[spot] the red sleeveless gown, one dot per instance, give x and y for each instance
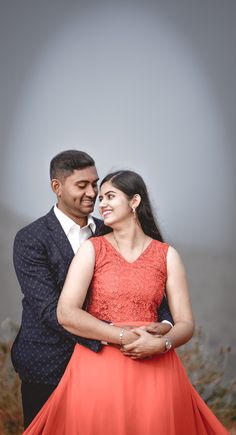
(107, 393)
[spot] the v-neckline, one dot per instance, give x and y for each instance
(121, 256)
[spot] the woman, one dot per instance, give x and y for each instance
(128, 269)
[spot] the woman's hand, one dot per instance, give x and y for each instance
(129, 337)
(145, 346)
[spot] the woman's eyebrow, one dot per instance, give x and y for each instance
(106, 193)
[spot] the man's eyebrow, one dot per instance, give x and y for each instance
(86, 181)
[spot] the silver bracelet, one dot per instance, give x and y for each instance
(122, 335)
(168, 344)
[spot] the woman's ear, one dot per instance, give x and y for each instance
(135, 201)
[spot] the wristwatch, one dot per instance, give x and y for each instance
(168, 344)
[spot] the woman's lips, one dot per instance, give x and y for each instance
(106, 213)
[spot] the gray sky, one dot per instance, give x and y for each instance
(143, 85)
(148, 86)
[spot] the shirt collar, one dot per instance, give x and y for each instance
(91, 223)
(67, 223)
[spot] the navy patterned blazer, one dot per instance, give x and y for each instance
(42, 255)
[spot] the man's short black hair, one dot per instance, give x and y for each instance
(64, 163)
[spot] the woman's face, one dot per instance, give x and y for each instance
(114, 205)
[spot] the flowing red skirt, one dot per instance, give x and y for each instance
(107, 393)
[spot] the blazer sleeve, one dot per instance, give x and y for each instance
(164, 311)
(39, 285)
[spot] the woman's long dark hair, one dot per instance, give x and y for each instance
(131, 183)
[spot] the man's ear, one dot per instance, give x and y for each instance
(56, 186)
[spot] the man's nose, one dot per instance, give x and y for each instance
(91, 191)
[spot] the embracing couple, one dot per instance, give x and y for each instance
(95, 351)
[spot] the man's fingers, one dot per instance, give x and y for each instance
(151, 329)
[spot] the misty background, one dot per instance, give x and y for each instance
(148, 86)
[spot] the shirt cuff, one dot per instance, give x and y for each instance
(167, 321)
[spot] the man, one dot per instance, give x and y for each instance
(43, 251)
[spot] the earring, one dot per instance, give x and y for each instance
(133, 210)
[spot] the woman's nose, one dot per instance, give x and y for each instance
(103, 203)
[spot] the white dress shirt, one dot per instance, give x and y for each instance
(75, 234)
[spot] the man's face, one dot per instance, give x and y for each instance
(77, 193)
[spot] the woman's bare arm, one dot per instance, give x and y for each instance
(69, 309)
(181, 310)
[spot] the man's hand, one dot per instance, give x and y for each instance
(157, 328)
(145, 346)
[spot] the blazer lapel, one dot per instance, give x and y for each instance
(59, 236)
(99, 224)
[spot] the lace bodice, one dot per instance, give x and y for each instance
(123, 291)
